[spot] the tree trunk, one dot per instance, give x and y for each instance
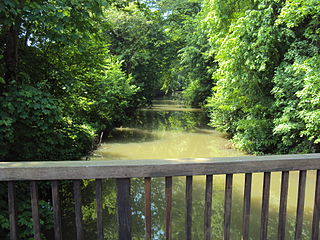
(11, 55)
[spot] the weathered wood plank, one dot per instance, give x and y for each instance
(265, 206)
(188, 226)
(124, 209)
(77, 208)
(227, 207)
(56, 210)
(35, 209)
(154, 168)
(12, 210)
(208, 208)
(316, 209)
(168, 215)
(283, 205)
(147, 190)
(99, 209)
(300, 204)
(246, 206)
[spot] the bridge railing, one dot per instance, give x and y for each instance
(123, 171)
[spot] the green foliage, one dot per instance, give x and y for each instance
(267, 77)
(31, 117)
(196, 65)
(137, 39)
(68, 86)
(63, 90)
(247, 59)
(183, 45)
(297, 79)
(24, 220)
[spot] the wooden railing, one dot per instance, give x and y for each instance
(122, 171)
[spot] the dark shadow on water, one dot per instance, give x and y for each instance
(126, 135)
(169, 120)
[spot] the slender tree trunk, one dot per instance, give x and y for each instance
(11, 55)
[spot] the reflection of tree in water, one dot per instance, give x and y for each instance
(157, 208)
(89, 210)
(169, 120)
(125, 135)
(178, 210)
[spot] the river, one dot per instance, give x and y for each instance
(173, 130)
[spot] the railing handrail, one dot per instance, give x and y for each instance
(59, 170)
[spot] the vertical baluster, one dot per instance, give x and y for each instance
(227, 207)
(208, 208)
(147, 189)
(12, 210)
(300, 205)
(77, 208)
(56, 210)
(316, 209)
(265, 206)
(168, 192)
(35, 209)
(99, 209)
(283, 205)
(188, 207)
(246, 206)
(124, 209)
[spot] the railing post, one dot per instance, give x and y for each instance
(300, 204)
(77, 208)
(316, 209)
(168, 216)
(283, 205)
(35, 209)
(227, 207)
(124, 209)
(265, 206)
(188, 208)
(56, 210)
(246, 206)
(147, 190)
(208, 208)
(12, 211)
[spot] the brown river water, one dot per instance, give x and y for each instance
(173, 130)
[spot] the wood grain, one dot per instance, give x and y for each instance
(56, 210)
(12, 210)
(265, 206)
(283, 205)
(10, 171)
(188, 226)
(35, 209)
(77, 208)
(147, 190)
(300, 204)
(124, 209)
(246, 206)
(208, 208)
(168, 214)
(227, 207)
(316, 209)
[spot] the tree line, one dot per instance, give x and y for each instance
(266, 90)
(72, 69)
(254, 66)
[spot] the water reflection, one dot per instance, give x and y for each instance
(161, 133)
(174, 131)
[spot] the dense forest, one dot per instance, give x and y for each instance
(71, 70)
